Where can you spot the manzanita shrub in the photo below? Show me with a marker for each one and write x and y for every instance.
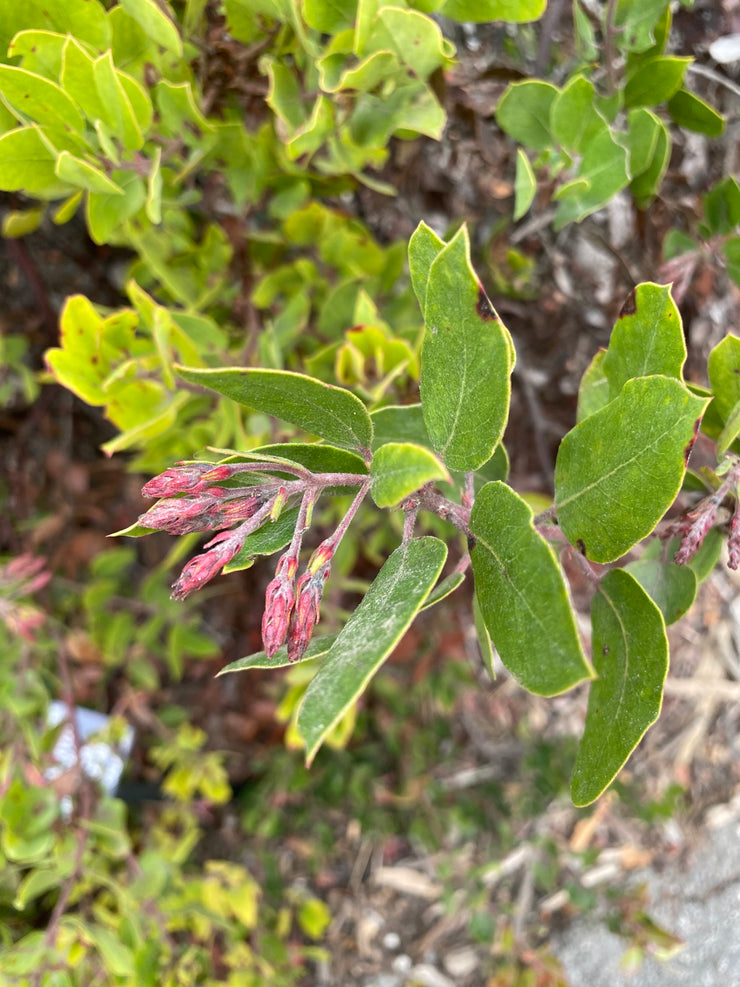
(618, 475)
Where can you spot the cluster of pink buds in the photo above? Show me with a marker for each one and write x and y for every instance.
(22, 576)
(733, 542)
(699, 522)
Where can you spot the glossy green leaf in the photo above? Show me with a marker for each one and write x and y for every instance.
(602, 173)
(466, 362)
(522, 594)
(525, 185)
(76, 171)
(40, 99)
(316, 649)
(424, 246)
(647, 338)
(330, 412)
(369, 636)
(687, 110)
(400, 468)
(724, 376)
(593, 393)
(620, 469)
(27, 164)
(524, 111)
(483, 11)
(574, 119)
(644, 187)
(158, 26)
(630, 654)
(671, 587)
(655, 80)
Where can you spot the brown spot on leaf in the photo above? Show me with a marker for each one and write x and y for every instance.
(630, 306)
(605, 650)
(483, 306)
(580, 545)
(471, 543)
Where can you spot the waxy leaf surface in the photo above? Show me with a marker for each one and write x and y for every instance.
(630, 654)
(330, 412)
(400, 468)
(521, 593)
(369, 636)
(466, 361)
(424, 246)
(647, 338)
(619, 470)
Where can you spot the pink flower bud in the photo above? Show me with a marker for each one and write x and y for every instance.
(203, 568)
(182, 515)
(279, 602)
(177, 479)
(733, 542)
(321, 557)
(305, 616)
(692, 541)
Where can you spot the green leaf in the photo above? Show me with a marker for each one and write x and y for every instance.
(525, 185)
(330, 412)
(397, 423)
(27, 164)
(642, 139)
(630, 654)
(722, 206)
(618, 472)
(84, 19)
(424, 246)
(655, 80)
(329, 18)
(644, 187)
(40, 51)
(593, 393)
(732, 257)
(106, 211)
(415, 39)
(158, 26)
(485, 644)
(730, 432)
(482, 11)
(724, 376)
(639, 23)
(466, 361)
(117, 958)
(574, 119)
(671, 587)
(602, 173)
(369, 636)
(316, 457)
(20, 222)
(270, 538)
(522, 595)
(76, 171)
(400, 468)
(647, 338)
(118, 115)
(316, 649)
(687, 110)
(444, 588)
(524, 111)
(40, 99)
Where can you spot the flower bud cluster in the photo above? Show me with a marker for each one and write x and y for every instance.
(701, 520)
(21, 576)
(733, 542)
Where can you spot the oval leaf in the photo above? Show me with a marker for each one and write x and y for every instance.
(400, 468)
(522, 596)
(618, 472)
(424, 246)
(724, 376)
(330, 412)
(397, 423)
(318, 647)
(671, 587)
(369, 636)
(466, 361)
(688, 111)
(647, 338)
(630, 654)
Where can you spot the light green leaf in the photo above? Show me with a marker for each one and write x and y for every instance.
(316, 649)
(179, 111)
(639, 23)
(154, 188)
(644, 187)
(78, 79)
(444, 588)
(117, 958)
(524, 113)
(522, 595)
(40, 51)
(158, 26)
(722, 206)
(40, 100)
(642, 139)
(655, 80)
(687, 110)
(671, 587)
(730, 432)
(525, 185)
(106, 212)
(332, 413)
(602, 173)
(574, 119)
(647, 338)
(415, 39)
(400, 468)
(76, 171)
(618, 472)
(732, 258)
(482, 11)
(27, 164)
(398, 423)
(369, 636)
(118, 112)
(466, 361)
(485, 644)
(329, 17)
(593, 393)
(424, 246)
(85, 19)
(630, 654)
(20, 222)
(724, 376)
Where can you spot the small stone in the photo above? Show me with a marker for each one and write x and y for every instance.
(460, 963)
(391, 940)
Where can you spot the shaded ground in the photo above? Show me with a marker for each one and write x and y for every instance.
(480, 774)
